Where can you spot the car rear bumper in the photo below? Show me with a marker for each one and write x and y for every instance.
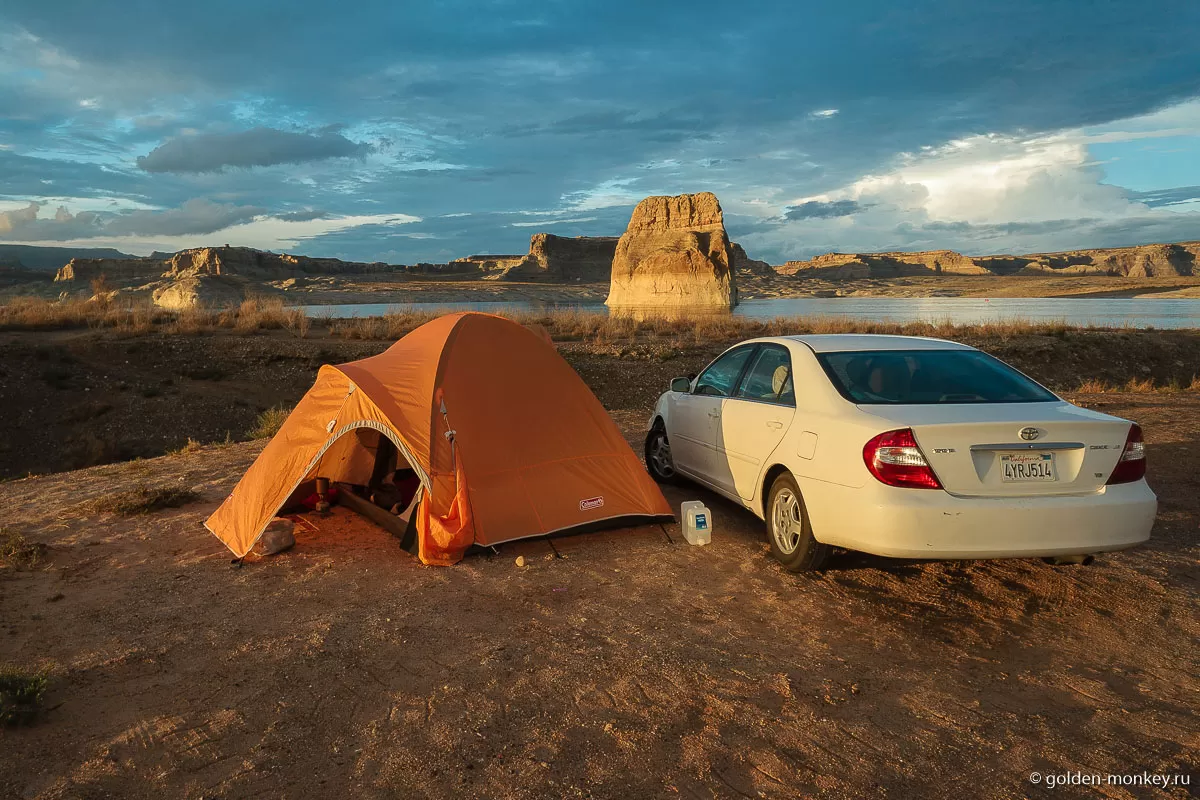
(921, 523)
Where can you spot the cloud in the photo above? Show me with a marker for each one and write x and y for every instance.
(979, 195)
(817, 209)
(824, 113)
(257, 147)
(1168, 197)
(196, 216)
(25, 224)
(302, 216)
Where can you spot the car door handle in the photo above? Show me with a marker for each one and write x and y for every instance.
(774, 423)
(714, 414)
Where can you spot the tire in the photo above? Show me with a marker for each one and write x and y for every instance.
(659, 463)
(789, 530)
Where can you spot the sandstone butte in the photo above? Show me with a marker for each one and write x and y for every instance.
(675, 254)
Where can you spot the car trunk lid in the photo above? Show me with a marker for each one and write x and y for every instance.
(1013, 449)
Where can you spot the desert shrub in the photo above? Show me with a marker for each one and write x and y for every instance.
(18, 551)
(269, 422)
(143, 500)
(21, 692)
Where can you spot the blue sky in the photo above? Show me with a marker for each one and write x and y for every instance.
(408, 132)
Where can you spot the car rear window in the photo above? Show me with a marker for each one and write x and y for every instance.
(924, 377)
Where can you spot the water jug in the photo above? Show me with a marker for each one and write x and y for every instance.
(697, 522)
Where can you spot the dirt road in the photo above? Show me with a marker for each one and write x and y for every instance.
(623, 664)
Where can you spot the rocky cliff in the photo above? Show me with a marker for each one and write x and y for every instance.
(561, 258)
(744, 263)
(113, 269)
(1144, 261)
(675, 254)
(254, 264)
(245, 262)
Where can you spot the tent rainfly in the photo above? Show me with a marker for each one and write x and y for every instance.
(507, 440)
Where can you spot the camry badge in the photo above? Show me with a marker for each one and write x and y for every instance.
(1029, 434)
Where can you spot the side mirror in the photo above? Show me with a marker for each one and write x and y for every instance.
(681, 385)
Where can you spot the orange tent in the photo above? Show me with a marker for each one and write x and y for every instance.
(507, 440)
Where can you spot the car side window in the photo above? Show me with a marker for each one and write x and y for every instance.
(719, 379)
(769, 379)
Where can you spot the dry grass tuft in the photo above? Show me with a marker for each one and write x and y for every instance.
(269, 422)
(1137, 386)
(21, 692)
(19, 552)
(143, 500)
(296, 321)
(1094, 386)
(191, 446)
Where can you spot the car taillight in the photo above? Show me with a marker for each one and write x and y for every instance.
(1132, 466)
(895, 459)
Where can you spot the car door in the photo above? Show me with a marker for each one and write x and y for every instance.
(754, 420)
(696, 415)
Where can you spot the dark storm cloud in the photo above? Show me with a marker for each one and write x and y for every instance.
(257, 147)
(194, 216)
(817, 209)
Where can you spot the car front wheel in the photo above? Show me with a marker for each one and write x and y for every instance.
(789, 530)
(658, 456)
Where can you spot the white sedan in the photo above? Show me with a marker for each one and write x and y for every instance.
(902, 446)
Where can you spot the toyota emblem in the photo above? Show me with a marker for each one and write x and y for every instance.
(1029, 434)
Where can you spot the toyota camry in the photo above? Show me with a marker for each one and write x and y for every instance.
(902, 446)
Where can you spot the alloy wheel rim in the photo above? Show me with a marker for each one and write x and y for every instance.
(660, 456)
(787, 525)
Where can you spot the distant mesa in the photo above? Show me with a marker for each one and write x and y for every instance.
(579, 259)
(49, 259)
(675, 254)
(1143, 261)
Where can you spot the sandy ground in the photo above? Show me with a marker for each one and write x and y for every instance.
(618, 664)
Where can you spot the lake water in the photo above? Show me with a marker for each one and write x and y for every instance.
(1099, 312)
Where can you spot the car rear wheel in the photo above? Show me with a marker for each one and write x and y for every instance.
(658, 456)
(789, 530)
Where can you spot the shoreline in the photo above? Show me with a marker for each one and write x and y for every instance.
(351, 291)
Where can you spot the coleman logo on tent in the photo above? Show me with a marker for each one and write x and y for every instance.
(591, 503)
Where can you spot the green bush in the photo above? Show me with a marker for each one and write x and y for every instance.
(21, 694)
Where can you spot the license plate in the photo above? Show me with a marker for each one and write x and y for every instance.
(1027, 467)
